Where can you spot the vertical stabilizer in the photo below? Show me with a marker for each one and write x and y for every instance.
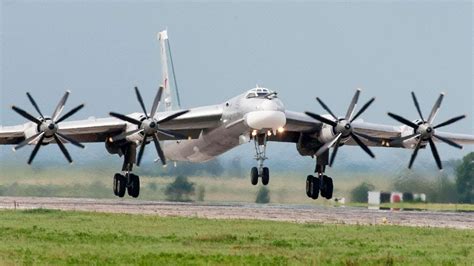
(167, 93)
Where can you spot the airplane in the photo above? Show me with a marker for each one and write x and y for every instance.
(203, 133)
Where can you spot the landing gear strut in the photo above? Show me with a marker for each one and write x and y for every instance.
(128, 181)
(260, 141)
(321, 182)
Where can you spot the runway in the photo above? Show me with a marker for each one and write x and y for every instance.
(273, 212)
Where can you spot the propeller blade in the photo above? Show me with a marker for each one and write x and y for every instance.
(417, 105)
(367, 137)
(34, 104)
(322, 119)
(171, 117)
(350, 110)
(159, 150)
(156, 102)
(70, 140)
(62, 148)
(172, 134)
(415, 152)
(142, 150)
(35, 150)
(70, 113)
(334, 152)
(126, 134)
(327, 145)
(60, 106)
(366, 105)
(435, 109)
(403, 120)
(125, 118)
(326, 108)
(450, 121)
(27, 141)
(448, 141)
(140, 100)
(26, 115)
(402, 139)
(362, 145)
(435, 154)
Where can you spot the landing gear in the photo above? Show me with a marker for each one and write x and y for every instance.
(320, 183)
(119, 185)
(260, 150)
(254, 176)
(312, 187)
(133, 187)
(129, 182)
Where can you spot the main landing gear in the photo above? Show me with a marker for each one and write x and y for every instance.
(260, 141)
(321, 182)
(128, 182)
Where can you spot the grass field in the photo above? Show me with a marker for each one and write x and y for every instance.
(58, 237)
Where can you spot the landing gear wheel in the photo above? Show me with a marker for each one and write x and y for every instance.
(265, 176)
(312, 187)
(134, 185)
(254, 176)
(119, 185)
(327, 188)
(315, 188)
(308, 185)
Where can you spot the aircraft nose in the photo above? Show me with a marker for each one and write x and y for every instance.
(265, 119)
(270, 105)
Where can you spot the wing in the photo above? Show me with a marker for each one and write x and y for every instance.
(381, 135)
(98, 130)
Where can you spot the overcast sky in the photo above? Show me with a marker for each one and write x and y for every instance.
(101, 49)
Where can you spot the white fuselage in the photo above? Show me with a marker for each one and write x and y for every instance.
(241, 115)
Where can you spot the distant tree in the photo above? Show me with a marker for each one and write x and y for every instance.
(263, 195)
(235, 167)
(465, 179)
(439, 189)
(201, 193)
(360, 193)
(180, 190)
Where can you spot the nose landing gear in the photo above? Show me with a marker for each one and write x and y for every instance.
(260, 141)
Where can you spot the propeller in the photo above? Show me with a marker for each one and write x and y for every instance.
(342, 127)
(47, 127)
(425, 130)
(149, 126)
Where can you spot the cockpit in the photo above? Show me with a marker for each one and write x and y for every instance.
(261, 93)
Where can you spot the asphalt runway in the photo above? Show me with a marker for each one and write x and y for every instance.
(273, 212)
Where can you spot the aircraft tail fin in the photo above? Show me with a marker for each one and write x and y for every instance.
(165, 50)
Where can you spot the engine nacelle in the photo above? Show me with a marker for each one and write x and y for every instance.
(114, 147)
(327, 134)
(307, 145)
(406, 131)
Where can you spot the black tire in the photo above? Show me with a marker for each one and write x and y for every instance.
(265, 176)
(315, 188)
(121, 185)
(329, 186)
(309, 179)
(134, 186)
(115, 184)
(254, 176)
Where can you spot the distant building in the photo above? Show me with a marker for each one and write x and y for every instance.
(378, 197)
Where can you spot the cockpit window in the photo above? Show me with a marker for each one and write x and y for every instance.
(261, 93)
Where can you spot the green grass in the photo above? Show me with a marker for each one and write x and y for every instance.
(57, 237)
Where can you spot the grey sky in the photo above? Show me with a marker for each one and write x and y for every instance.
(101, 50)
